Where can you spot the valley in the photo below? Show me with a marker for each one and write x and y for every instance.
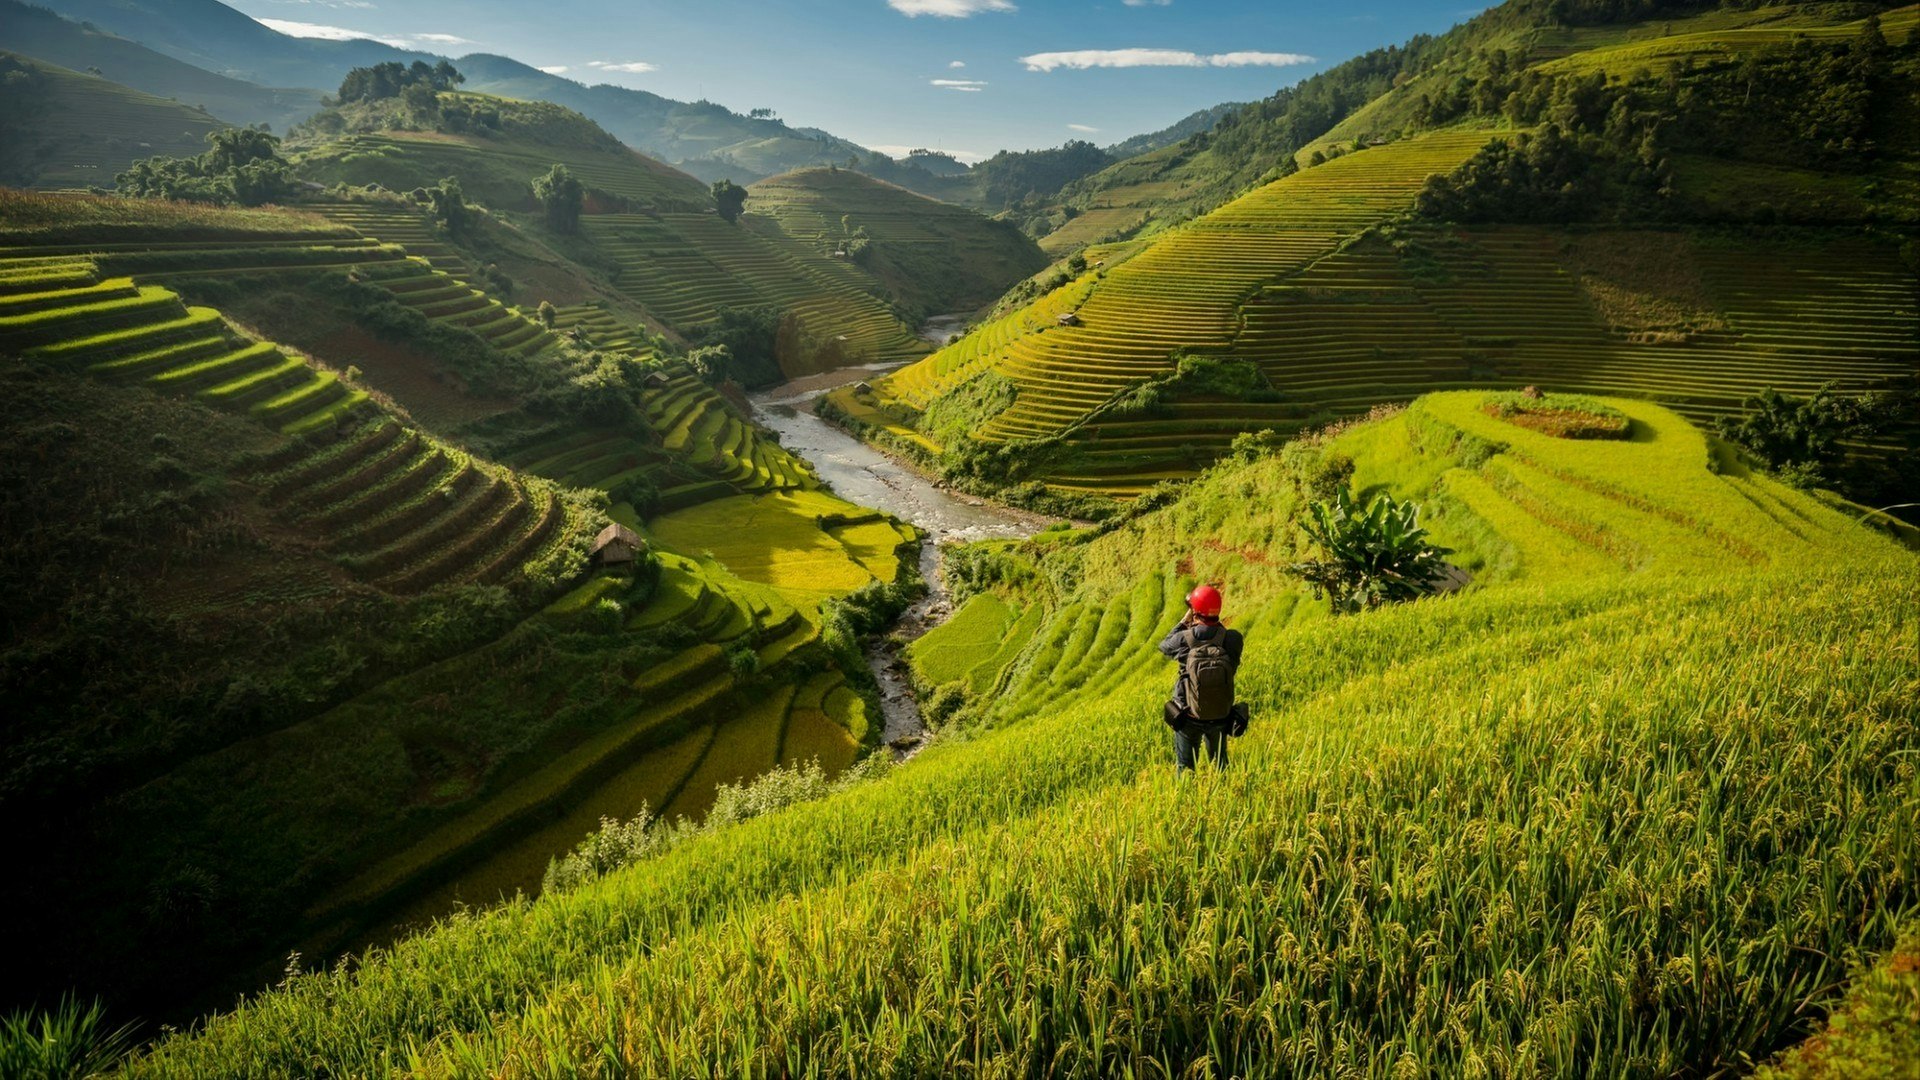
(508, 576)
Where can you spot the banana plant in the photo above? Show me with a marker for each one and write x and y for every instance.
(1375, 555)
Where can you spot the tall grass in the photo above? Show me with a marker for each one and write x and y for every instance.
(1586, 821)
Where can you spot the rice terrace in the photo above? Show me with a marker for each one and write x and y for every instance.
(1183, 538)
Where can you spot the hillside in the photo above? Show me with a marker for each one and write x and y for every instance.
(214, 37)
(363, 562)
(1431, 799)
(707, 140)
(60, 128)
(931, 257)
(1727, 263)
(39, 33)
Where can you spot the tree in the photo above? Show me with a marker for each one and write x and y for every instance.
(547, 314)
(1802, 439)
(562, 197)
(450, 205)
(240, 165)
(731, 197)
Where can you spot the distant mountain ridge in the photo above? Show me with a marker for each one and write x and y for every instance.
(44, 35)
(707, 140)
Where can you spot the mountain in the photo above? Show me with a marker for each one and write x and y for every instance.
(1626, 208)
(60, 128)
(710, 141)
(212, 36)
(38, 32)
(1194, 124)
(931, 257)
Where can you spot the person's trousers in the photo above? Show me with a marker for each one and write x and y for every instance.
(1190, 738)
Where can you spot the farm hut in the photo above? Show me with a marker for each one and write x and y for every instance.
(655, 380)
(617, 545)
(1068, 319)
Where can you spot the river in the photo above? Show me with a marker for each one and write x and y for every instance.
(861, 474)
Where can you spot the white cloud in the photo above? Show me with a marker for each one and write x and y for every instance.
(948, 9)
(293, 28)
(556, 69)
(1083, 59)
(965, 86)
(634, 67)
(1083, 129)
(957, 64)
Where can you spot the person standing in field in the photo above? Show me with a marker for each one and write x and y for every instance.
(1203, 712)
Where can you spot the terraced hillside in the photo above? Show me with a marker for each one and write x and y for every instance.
(64, 129)
(683, 268)
(1343, 297)
(1647, 641)
(420, 721)
(1117, 327)
(497, 172)
(930, 256)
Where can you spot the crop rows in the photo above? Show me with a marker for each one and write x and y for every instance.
(1726, 44)
(603, 329)
(685, 267)
(402, 225)
(1186, 289)
(628, 175)
(117, 329)
(444, 299)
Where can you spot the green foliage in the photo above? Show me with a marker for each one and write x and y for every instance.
(72, 1042)
(751, 338)
(392, 79)
(562, 197)
(1375, 556)
(1874, 1032)
(730, 197)
(241, 166)
(1803, 438)
(449, 205)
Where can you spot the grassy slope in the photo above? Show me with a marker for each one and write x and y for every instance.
(1576, 820)
(66, 129)
(931, 257)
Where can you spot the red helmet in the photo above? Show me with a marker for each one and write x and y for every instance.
(1205, 600)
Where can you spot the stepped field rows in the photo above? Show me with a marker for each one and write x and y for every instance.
(394, 507)
(676, 746)
(1362, 724)
(698, 447)
(1186, 289)
(1722, 44)
(684, 267)
(123, 125)
(480, 164)
(1339, 325)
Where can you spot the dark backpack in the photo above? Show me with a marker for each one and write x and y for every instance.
(1209, 677)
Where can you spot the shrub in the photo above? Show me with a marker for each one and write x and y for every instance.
(71, 1041)
(1376, 556)
(1565, 416)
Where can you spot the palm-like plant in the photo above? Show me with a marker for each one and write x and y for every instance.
(1375, 555)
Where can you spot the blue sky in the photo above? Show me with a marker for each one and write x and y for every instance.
(967, 76)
